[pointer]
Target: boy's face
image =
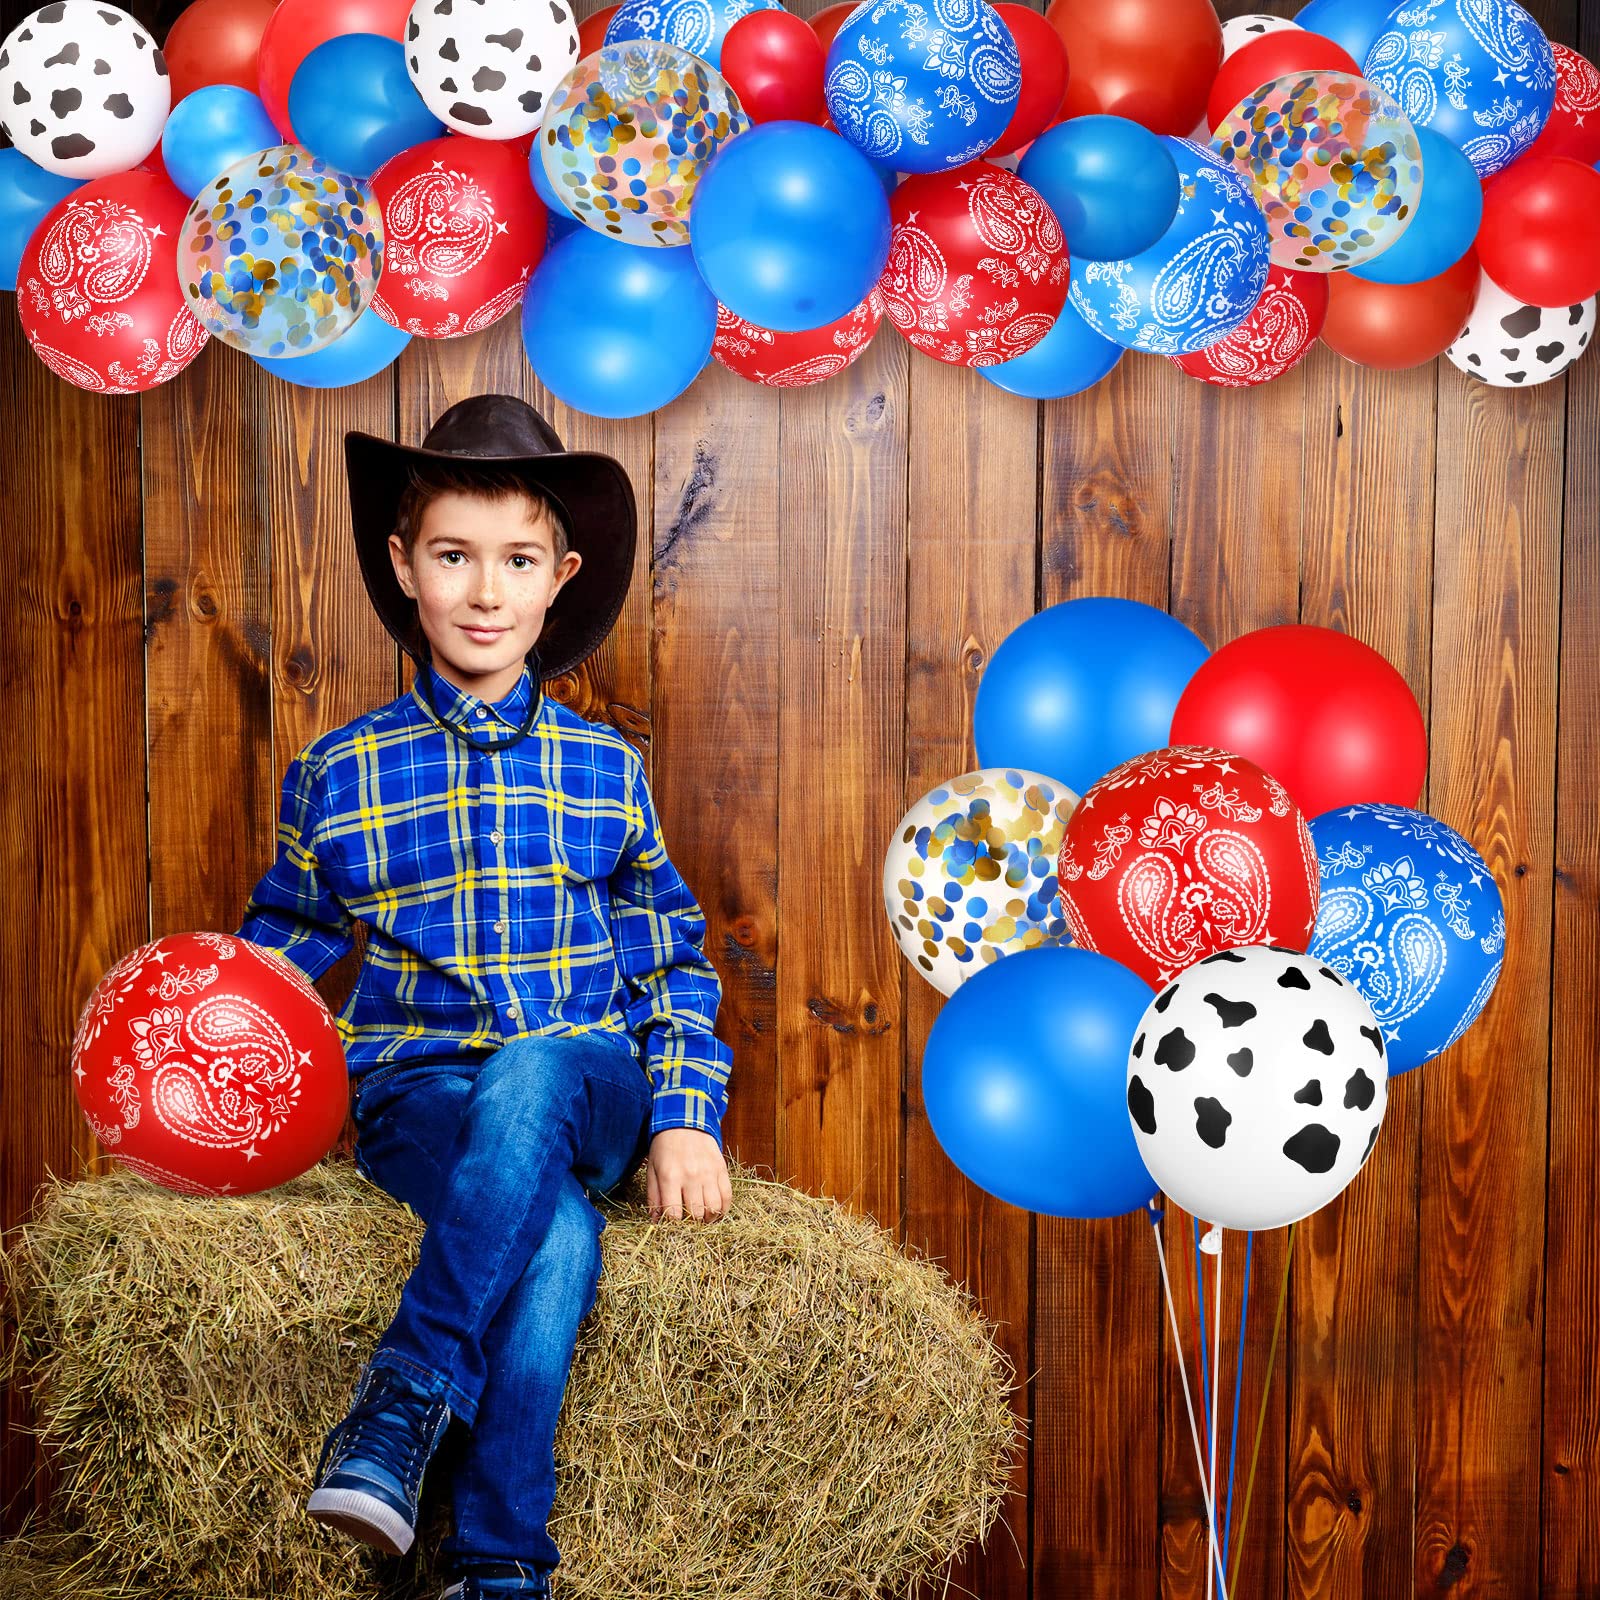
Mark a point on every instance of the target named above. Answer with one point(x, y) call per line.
point(480, 564)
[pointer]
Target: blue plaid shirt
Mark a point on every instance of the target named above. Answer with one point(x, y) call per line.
point(507, 892)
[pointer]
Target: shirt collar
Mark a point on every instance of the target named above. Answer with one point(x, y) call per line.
point(456, 705)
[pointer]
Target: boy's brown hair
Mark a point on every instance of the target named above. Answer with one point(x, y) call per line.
point(425, 485)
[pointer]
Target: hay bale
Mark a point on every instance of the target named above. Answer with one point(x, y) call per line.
point(779, 1404)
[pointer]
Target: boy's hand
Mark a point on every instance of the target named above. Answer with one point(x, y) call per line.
point(686, 1175)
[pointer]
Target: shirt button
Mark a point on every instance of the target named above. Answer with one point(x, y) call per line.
point(495, 836)
point(499, 927)
point(514, 1012)
point(482, 712)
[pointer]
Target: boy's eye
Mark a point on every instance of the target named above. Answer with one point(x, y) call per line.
point(444, 555)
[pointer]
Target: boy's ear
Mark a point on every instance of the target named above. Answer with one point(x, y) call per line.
point(566, 567)
point(402, 569)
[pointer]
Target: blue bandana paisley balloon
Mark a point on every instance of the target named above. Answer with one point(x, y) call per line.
point(1481, 72)
point(923, 87)
point(698, 26)
point(1199, 280)
point(1411, 914)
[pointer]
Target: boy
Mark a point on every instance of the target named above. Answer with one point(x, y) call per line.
point(534, 1012)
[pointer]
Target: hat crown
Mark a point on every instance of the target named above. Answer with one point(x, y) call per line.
point(492, 425)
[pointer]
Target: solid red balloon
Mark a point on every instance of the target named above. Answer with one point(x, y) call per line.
point(592, 30)
point(97, 286)
point(216, 41)
point(774, 62)
point(977, 270)
point(1152, 61)
point(1540, 234)
point(1281, 328)
point(1183, 853)
point(1044, 77)
point(209, 1065)
point(827, 22)
point(462, 230)
point(1573, 128)
point(793, 360)
point(297, 27)
point(1325, 714)
point(1395, 325)
point(1273, 55)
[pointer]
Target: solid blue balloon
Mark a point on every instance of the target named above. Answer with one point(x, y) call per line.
point(1112, 184)
point(1082, 687)
point(210, 130)
point(1024, 1080)
point(364, 349)
point(923, 94)
point(1444, 224)
point(27, 193)
point(1070, 358)
point(614, 329)
point(1411, 915)
point(353, 103)
point(789, 226)
point(1481, 73)
point(698, 26)
point(1351, 24)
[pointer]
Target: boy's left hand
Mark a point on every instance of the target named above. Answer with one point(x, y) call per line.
point(687, 1175)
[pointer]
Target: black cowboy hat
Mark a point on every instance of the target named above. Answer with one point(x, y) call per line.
point(590, 490)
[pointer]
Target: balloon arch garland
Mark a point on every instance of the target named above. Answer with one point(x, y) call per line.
point(317, 182)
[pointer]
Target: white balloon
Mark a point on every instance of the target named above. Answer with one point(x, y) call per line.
point(1512, 346)
point(970, 874)
point(1239, 31)
point(84, 89)
point(488, 68)
point(1257, 1083)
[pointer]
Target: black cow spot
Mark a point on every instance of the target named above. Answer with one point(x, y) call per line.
point(1224, 955)
point(1331, 976)
point(1138, 1047)
point(1175, 1051)
point(533, 64)
point(5, 59)
point(1372, 1139)
point(448, 51)
point(63, 101)
point(1164, 999)
point(448, 85)
point(486, 79)
point(1141, 1106)
point(66, 56)
point(119, 105)
point(1314, 1148)
point(54, 13)
point(556, 13)
point(101, 68)
point(412, 32)
point(1516, 377)
point(1318, 1038)
point(1548, 352)
point(138, 41)
point(1574, 313)
point(25, 35)
point(463, 112)
point(1376, 1036)
point(414, 66)
point(1359, 1092)
point(1294, 978)
point(67, 145)
point(1234, 1013)
point(511, 38)
point(1310, 1095)
point(1521, 322)
point(1474, 358)
point(1242, 1061)
point(1211, 1121)
point(36, 126)
point(19, 95)
point(1284, 949)
point(531, 99)
point(442, 9)
point(112, 17)
point(1512, 353)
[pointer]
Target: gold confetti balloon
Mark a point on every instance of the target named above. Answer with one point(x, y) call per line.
point(281, 253)
point(1333, 162)
point(627, 134)
point(970, 875)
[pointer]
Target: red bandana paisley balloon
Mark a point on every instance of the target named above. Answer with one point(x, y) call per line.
point(1182, 853)
point(1574, 125)
point(1281, 328)
point(463, 229)
point(210, 1066)
point(793, 360)
point(98, 290)
point(977, 270)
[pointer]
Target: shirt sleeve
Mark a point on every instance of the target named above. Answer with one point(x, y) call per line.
point(658, 932)
point(292, 911)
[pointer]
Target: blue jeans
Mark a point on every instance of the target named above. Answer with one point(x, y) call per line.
point(499, 1157)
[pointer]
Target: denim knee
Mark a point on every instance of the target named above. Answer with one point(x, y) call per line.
point(529, 1081)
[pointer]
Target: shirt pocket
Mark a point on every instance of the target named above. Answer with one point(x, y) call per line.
point(587, 844)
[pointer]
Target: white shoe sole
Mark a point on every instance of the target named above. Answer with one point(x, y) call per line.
point(363, 1517)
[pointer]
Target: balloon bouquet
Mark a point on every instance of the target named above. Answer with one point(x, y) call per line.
point(1201, 976)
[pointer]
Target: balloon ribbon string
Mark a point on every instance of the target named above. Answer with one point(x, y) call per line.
point(1216, 1373)
point(1266, 1389)
point(1238, 1387)
point(1197, 1310)
point(1188, 1400)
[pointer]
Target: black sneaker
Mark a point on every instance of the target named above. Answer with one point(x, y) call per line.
point(500, 1581)
point(370, 1475)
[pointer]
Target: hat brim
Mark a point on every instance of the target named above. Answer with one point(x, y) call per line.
point(593, 491)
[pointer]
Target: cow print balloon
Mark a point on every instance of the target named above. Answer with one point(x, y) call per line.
point(1512, 346)
point(1257, 1084)
point(487, 67)
point(83, 89)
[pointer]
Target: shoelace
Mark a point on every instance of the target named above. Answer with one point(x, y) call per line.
point(396, 1428)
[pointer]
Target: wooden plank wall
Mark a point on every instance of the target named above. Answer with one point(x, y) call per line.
point(825, 574)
